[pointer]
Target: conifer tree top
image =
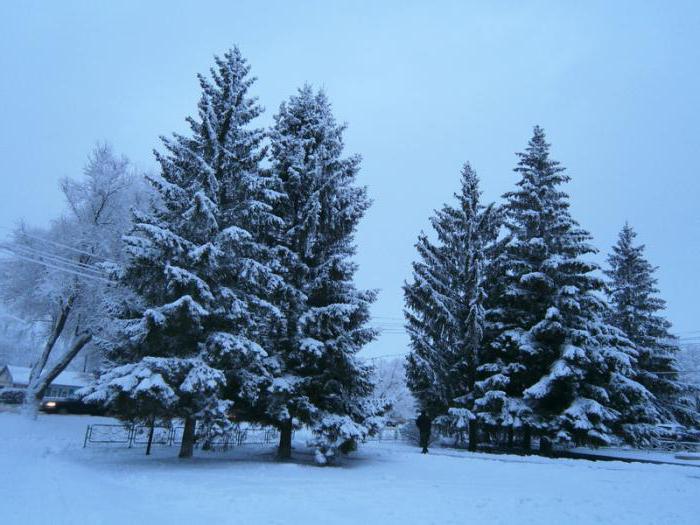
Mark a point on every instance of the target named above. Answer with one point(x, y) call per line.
point(633, 288)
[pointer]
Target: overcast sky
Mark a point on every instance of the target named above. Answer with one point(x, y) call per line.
point(423, 86)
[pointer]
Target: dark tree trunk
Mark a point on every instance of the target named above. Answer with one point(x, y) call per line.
point(38, 386)
point(545, 446)
point(56, 331)
point(150, 438)
point(35, 392)
point(527, 437)
point(473, 434)
point(45, 381)
point(510, 436)
point(284, 451)
point(187, 446)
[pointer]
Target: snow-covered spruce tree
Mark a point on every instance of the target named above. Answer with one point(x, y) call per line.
point(689, 363)
point(318, 379)
point(197, 276)
point(429, 318)
point(445, 302)
point(636, 309)
point(553, 363)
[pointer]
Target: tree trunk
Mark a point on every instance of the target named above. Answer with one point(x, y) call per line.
point(56, 330)
point(284, 451)
point(187, 446)
point(43, 383)
point(35, 392)
point(527, 437)
point(30, 407)
point(545, 446)
point(150, 438)
point(37, 388)
point(510, 436)
point(473, 434)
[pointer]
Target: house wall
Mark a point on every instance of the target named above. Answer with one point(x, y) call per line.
point(5, 379)
point(54, 391)
point(59, 392)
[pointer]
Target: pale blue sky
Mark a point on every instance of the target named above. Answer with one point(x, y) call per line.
point(424, 86)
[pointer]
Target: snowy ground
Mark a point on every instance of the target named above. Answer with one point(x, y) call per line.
point(690, 458)
point(46, 477)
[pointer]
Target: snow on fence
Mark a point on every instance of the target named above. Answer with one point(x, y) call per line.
point(390, 434)
point(673, 445)
point(130, 435)
point(138, 435)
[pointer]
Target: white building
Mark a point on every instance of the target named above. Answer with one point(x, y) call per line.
point(62, 387)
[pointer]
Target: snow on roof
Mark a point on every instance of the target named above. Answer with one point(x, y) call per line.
point(20, 375)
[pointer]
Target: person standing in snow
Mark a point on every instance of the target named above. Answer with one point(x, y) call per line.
point(423, 423)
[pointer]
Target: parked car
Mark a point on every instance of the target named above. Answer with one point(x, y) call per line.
point(71, 406)
point(12, 396)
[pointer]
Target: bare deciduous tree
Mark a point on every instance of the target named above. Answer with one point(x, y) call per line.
point(60, 276)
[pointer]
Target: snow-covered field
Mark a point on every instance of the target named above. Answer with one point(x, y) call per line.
point(46, 477)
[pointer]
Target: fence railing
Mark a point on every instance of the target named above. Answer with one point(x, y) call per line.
point(130, 435)
point(138, 435)
point(390, 434)
point(678, 446)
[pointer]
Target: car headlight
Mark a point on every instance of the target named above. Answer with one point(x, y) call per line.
point(50, 404)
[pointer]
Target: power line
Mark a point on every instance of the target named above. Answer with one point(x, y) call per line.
point(62, 245)
point(59, 268)
point(33, 252)
point(41, 257)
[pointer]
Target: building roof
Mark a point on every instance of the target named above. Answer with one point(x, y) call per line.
point(20, 376)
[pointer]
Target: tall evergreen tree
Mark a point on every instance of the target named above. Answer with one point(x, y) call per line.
point(445, 301)
point(318, 379)
point(637, 310)
point(553, 363)
point(198, 273)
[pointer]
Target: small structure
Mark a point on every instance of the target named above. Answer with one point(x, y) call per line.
point(65, 384)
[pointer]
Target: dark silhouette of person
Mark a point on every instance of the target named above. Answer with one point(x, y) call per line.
point(423, 423)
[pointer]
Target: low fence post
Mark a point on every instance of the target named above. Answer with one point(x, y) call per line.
point(87, 435)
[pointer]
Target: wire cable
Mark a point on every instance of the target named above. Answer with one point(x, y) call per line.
point(60, 268)
point(32, 252)
point(62, 245)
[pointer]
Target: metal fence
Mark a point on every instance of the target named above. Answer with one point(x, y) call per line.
point(391, 434)
point(130, 435)
point(137, 436)
point(679, 446)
